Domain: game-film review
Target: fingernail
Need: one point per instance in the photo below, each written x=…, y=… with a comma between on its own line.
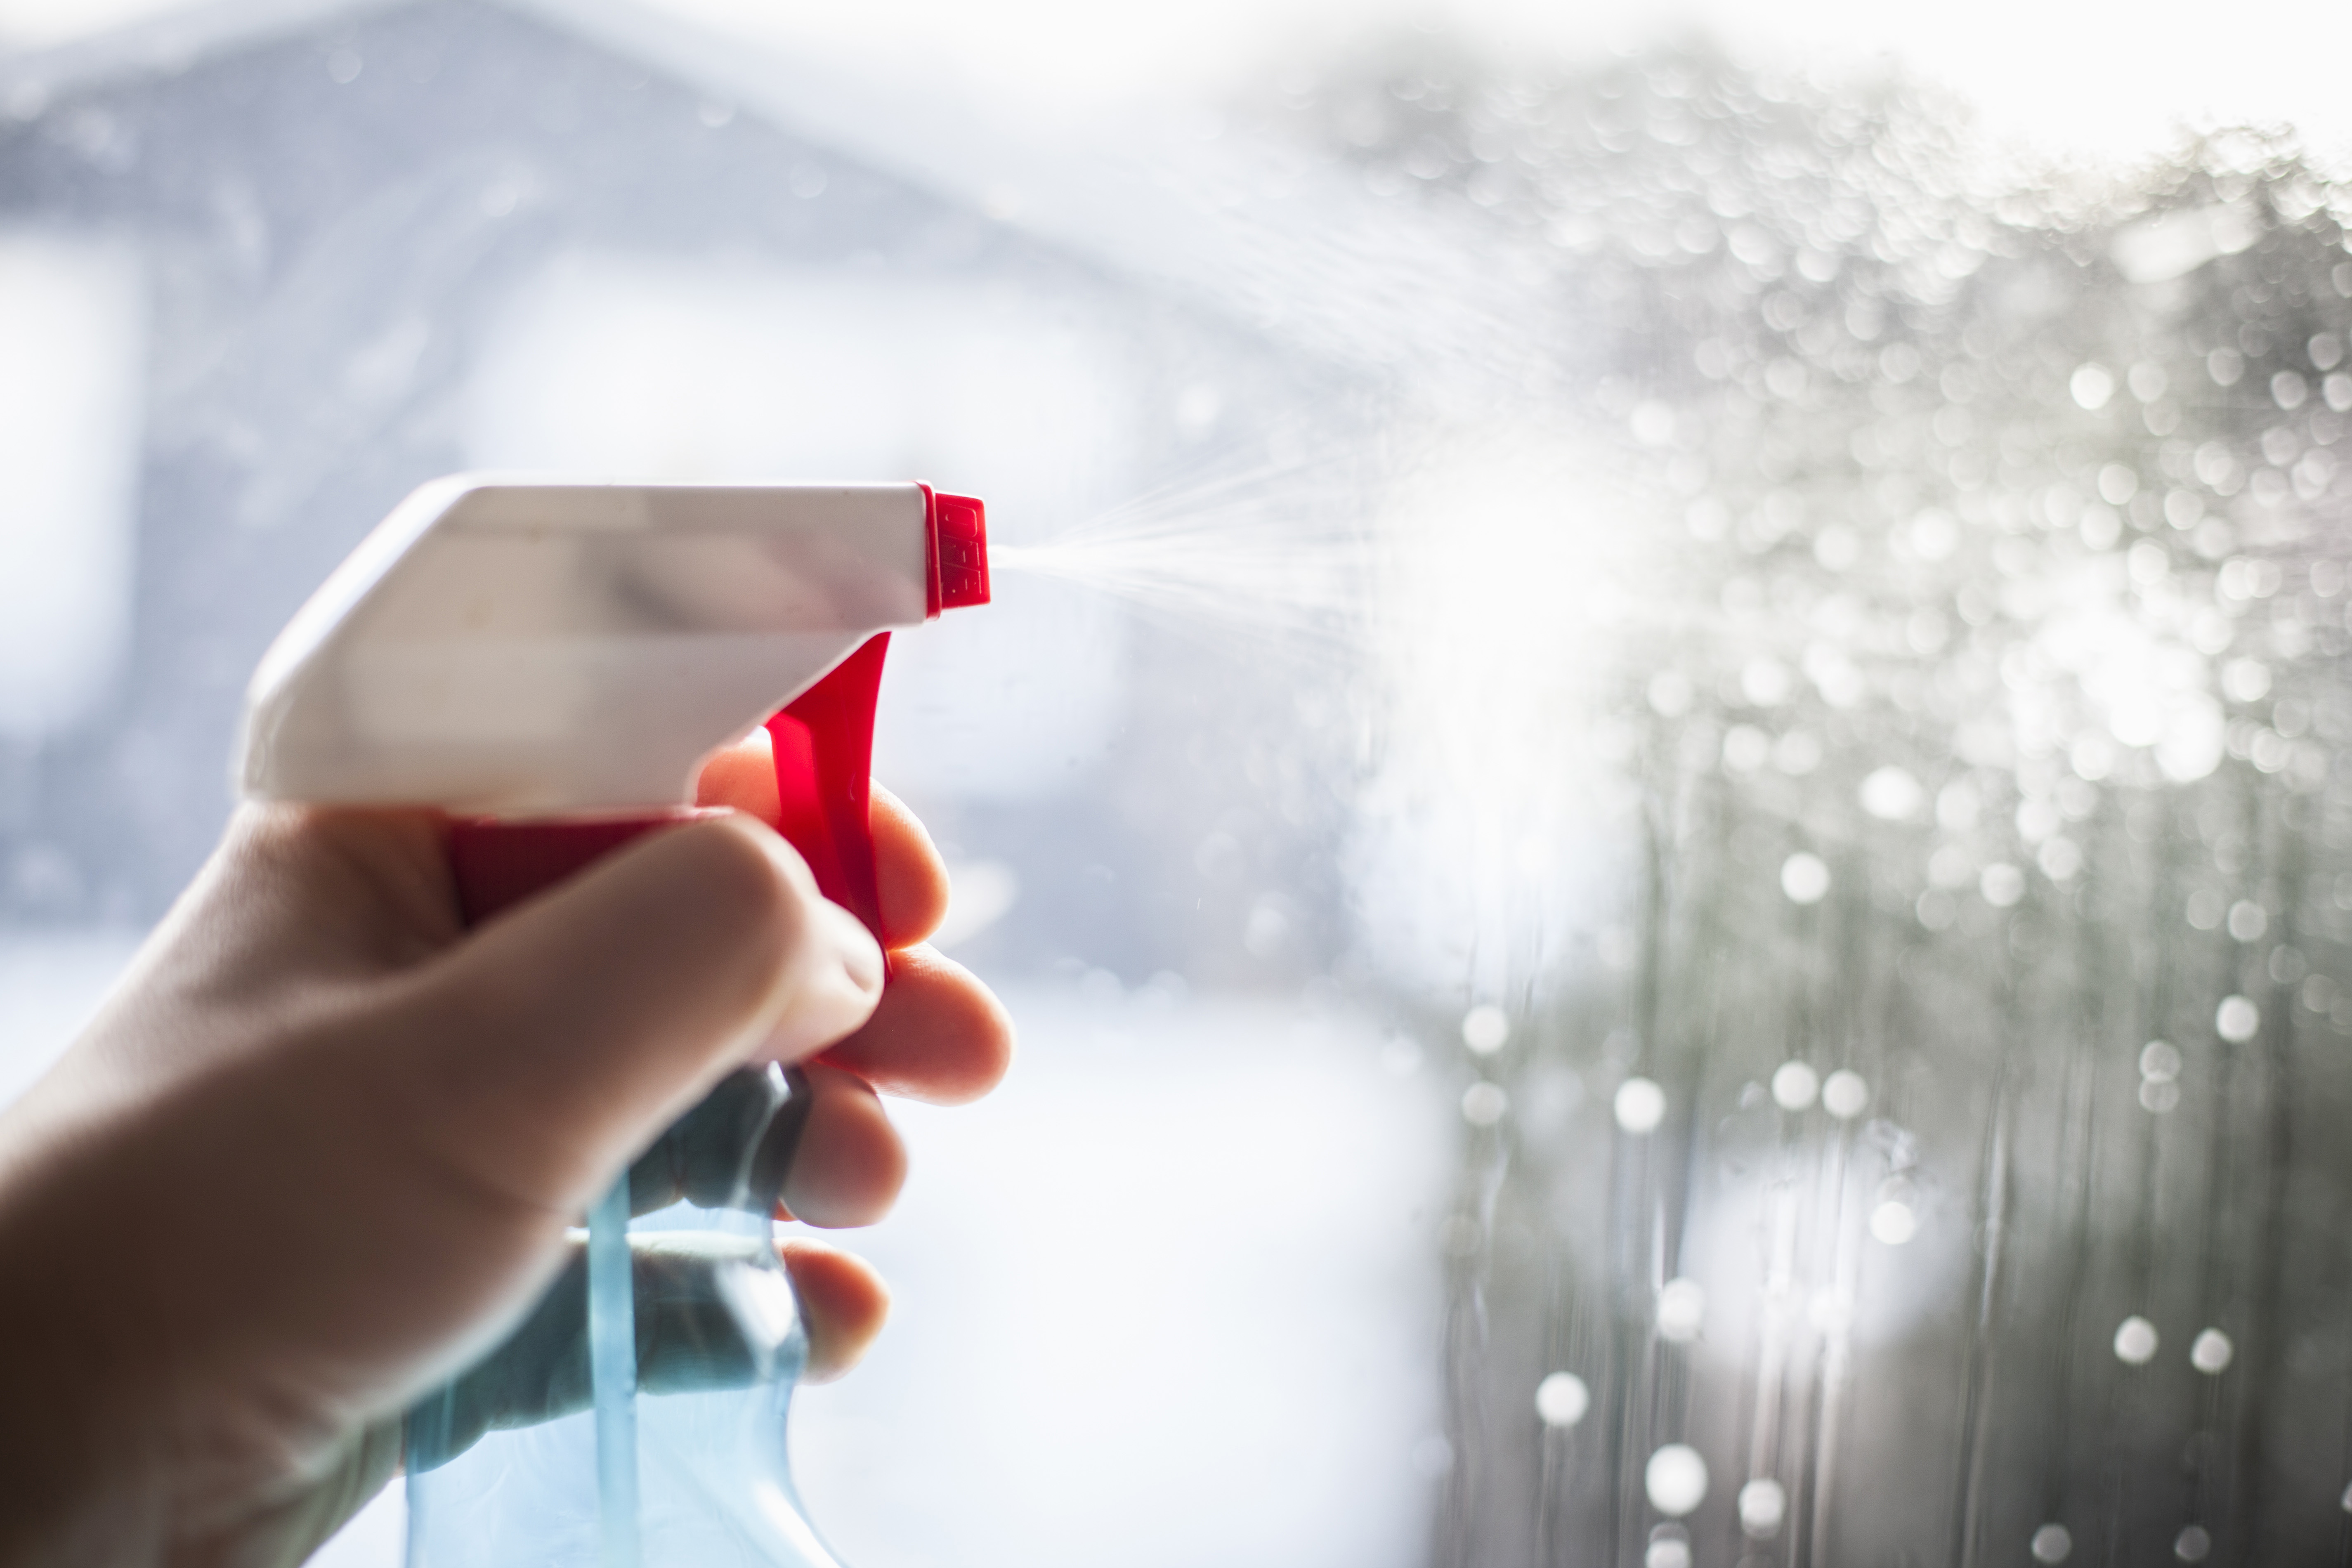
x=860, y=954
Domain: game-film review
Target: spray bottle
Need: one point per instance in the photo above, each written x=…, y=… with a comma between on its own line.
x=550, y=664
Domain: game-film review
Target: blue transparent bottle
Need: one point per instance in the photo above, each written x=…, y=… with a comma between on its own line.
x=637, y=1418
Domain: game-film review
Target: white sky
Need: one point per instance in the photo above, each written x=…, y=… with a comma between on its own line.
x=2101, y=76
x=2104, y=77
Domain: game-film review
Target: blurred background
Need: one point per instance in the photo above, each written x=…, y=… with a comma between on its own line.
x=1659, y=771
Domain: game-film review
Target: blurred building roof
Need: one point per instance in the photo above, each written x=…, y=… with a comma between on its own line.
x=1283, y=242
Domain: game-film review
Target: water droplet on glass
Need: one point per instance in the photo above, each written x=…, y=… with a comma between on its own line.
x=2211, y=1352
x=2158, y=1095
x=1746, y=747
x=1667, y=1552
x=2245, y=680
x=1933, y=534
x=1484, y=1029
x=2091, y=386
x=1763, y=1504
x=1675, y=1479
x=2136, y=1342
x=1957, y=805
x=1483, y=1104
x=1892, y=794
x=1804, y=878
x=343, y=67
x=2052, y=1543
x=2192, y=1544
x=1640, y=1106
x=2248, y=920
x=1561, y=1399
x=807, y=181
x=1797, y=753
x=1837, y=547
x=2159, y=1061
x=1795, y=1086
x=2059, y=859
x=1845, y=1095
x=2001, y=884
x=1682, y=1310
x=1266, y=932
x=1753, y=247
x=2191, y=744
x=1766, y=682
x=2037, y=820
x=1653, y=424
x=2237, y=1019
x=1893, y=1222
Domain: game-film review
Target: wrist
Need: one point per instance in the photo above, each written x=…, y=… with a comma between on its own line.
x=82, y=1470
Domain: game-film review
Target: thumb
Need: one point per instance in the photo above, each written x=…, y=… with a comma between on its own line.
x=558, y=1040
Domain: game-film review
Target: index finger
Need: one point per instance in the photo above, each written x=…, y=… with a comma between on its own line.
x=909, y=877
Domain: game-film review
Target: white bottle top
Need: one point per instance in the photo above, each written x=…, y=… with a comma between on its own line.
x=516, y=648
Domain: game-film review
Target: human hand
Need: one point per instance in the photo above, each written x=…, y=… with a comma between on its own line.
x=321, y=1149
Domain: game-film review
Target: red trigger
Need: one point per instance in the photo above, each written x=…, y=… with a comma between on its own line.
x=824, y=742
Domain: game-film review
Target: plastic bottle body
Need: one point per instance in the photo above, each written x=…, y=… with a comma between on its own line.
x=513, y=1462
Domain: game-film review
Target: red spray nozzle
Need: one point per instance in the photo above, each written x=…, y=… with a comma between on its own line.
x=958, y=529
